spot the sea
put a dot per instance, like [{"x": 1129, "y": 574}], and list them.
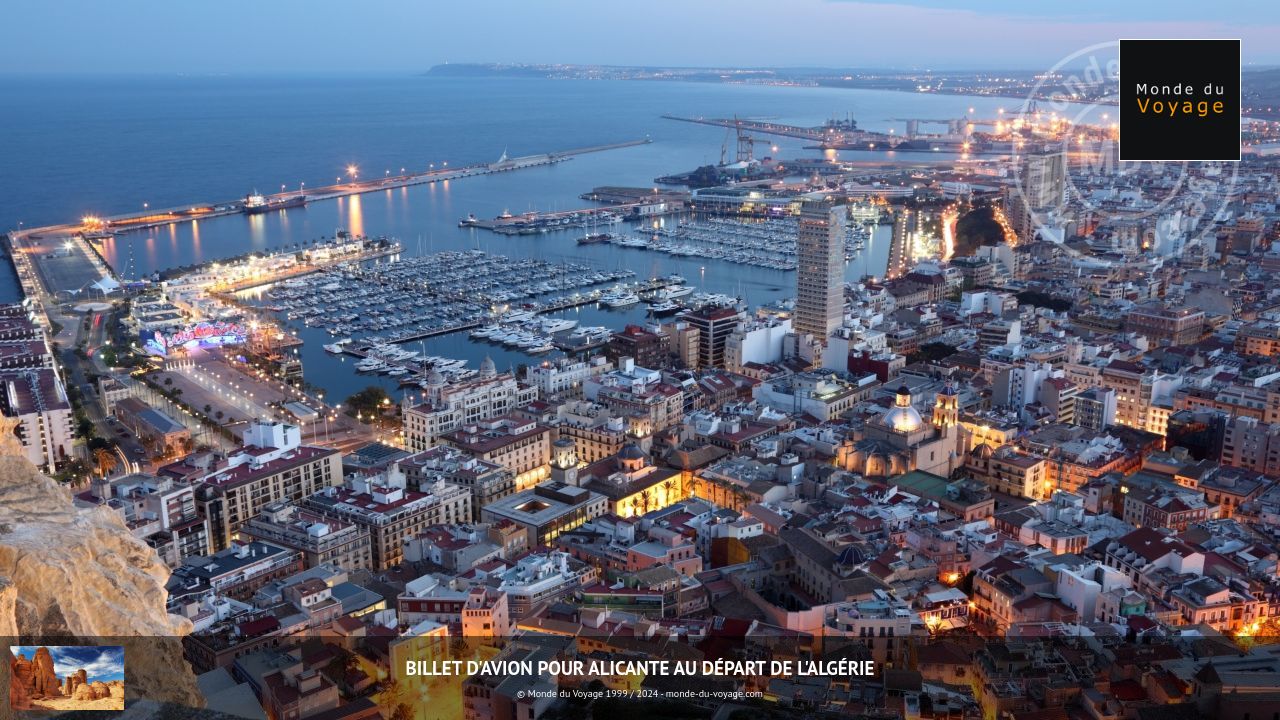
[{"x": 77, "y": 146}]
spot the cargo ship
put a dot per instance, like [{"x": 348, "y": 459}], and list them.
[
  {"x": 593, "y": 238},
  {"x": 255, "y": 203}
]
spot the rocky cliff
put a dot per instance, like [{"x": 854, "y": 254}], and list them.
[{"x": 73, "y": 575}]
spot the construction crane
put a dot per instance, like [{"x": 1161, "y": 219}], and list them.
[{"x": 746, "y": 146}]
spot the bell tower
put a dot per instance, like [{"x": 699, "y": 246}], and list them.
[
  {"x": 564, "y": 461},
  {"x": 946, "y": 411}
]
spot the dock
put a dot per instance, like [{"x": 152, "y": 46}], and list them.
[
  {"x": 823, "y": 137},
  {"x": 30, "y": 245},
  {"x": 154, "y": 218},
  {"x": 310, "y": 268}
]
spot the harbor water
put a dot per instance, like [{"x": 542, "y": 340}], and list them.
[{"x": 106, "y": 146}]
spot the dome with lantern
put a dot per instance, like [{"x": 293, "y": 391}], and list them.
[{"x": 902, "y": 417}]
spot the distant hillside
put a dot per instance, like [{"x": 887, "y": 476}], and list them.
[{"x": 488, "y": 70}]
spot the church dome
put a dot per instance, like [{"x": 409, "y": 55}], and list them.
[
  {"x": 903, "y": 419},
  {"x": 487, "y": 368},
  {"x": 435, "y": 377},
  {"x": 631, "y": 451},
  {"x": 851, "y": 555}
]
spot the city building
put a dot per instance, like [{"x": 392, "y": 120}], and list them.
[
  {"x": 389, "y": 512},
  {"x": 1039, "y": 193},
  {"x": 564, "y": 377},
  {"x": 1095, "y": 408},
  {"x": 320, "y": 538},
  {"x": 547, "y": 510},
  {"x": 36, "y": 398},
  {"x": 1160, "y": 324},
  {"x": 157, "y": 431},
  {"x": 157, "y": 510},
  {"x": 900, "y": 440},
  {"x": 445, "y": 407},
  {"x": 819, "y": 271},
  {"x": 639, "y": 394},
  {"x": 714, "y": 325},
  {"x": 487, "y": 481},
  {"x": 648, "y": 346},
  {"x": 520, "y": 445},
  {"x": 271, "y": 465}
]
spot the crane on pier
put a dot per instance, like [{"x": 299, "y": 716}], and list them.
[{"x": 746, "y": 144}]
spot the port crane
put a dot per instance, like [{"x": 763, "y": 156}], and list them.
[{"x": 746, "y": 144}]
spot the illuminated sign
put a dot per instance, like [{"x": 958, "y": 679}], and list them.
[{"x": 203, "y": 334}]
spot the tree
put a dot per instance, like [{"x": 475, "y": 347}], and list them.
[
  {"x": 168, "y": 381},
  {"x": 931, "y": 352},
  {"x": 105, "y": 460},
  {"x": 368, "y": 401},
  {"x": 402, "y": 712},
  {"x": 74, "y": 471},
  {"x": 208, "y": 408},
  {"x": 670, "y": 487},
  {"x": 218, "y": 415}
]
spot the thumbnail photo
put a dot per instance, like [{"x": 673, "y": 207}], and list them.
[{"x": 65, "y": 678}]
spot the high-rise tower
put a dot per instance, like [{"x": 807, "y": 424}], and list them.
[{"x": 820, "y": 274}]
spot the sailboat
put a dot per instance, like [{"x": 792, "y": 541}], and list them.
[{"x": 592, "y": 237}]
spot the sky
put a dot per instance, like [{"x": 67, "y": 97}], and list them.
[
  {"x": 101, "y": 664},
  {"x": 410, "y": 36}
]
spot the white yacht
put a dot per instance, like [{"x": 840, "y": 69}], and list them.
[
  {"x": 671, "y": 292},
  {"x": 555, "y": 325},
  {"x": 620, "y": 299}
]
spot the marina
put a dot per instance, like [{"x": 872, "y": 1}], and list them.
[
  {"x": 768, "y": 243},
  {"x": 423, "y": 296},
  {"x": 503, "y": 300}
]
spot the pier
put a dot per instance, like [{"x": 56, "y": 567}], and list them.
[
  {"x": 296, "y": 271},
  {"x": 534, "y": 223},
  {"x": 153, "y": 218},
  {"x": 837, "y": 136},
  {"x": 32, "y": 248}
]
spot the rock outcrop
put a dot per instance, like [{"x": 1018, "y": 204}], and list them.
[
  {"x": 77, "y": 576},
  {"x": 19, "y": 680},
  {"x": 74, "y": 680},
  {"x": 44, "y": 680}
]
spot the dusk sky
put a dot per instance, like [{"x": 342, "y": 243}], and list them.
[{"x": 380, "y": 36}]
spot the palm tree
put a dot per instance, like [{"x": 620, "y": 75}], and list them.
[{"x": 105, "y": 460}]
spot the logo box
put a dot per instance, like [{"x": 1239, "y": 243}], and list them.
[{"x": 1179, "y": 100}]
